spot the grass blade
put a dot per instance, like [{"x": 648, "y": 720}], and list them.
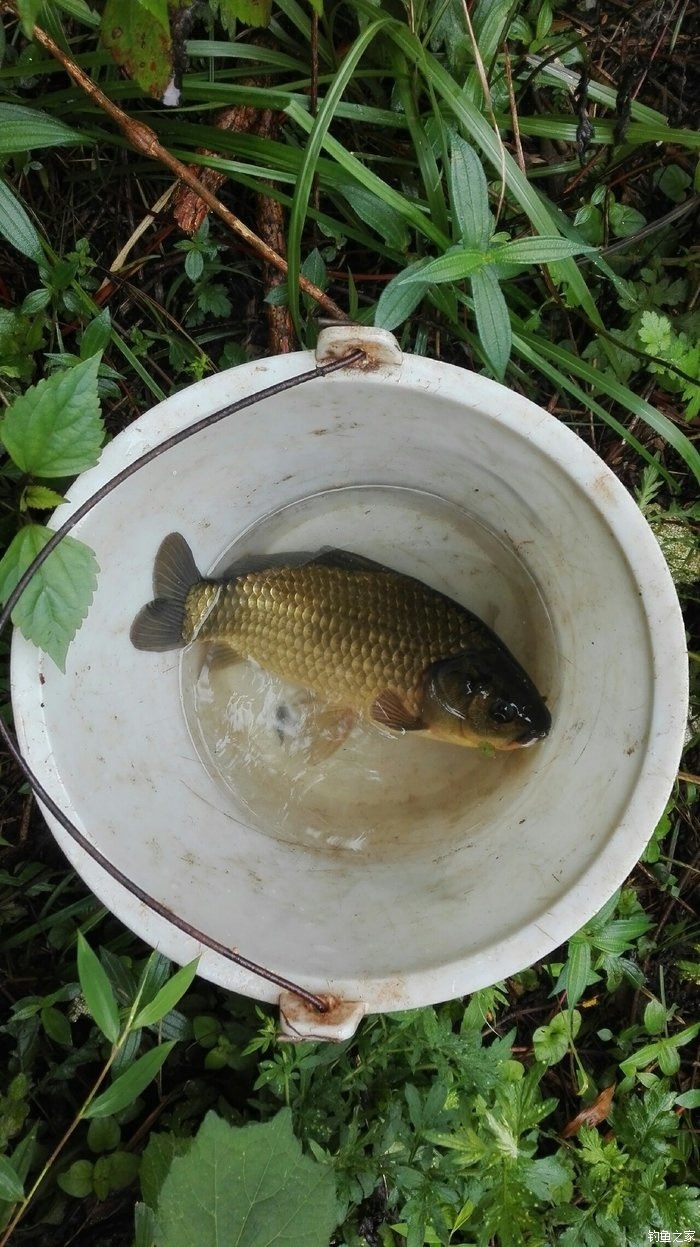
[
  {"x": 326, "y": 112},
  {"x": 97, "y": 990}
]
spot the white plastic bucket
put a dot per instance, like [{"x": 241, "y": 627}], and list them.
[{"x": 536, "y": 853}]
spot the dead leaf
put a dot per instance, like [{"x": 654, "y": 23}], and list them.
[{"x": 592, "y": 1115}]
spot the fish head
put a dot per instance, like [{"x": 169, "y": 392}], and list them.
[{"x": 483, "y": 699}]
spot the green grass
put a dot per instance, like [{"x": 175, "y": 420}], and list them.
[{"x": 458, "y": 1124}]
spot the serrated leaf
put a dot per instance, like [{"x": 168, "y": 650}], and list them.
[
  {"x": 140, "y": 43},
  {"x": 454, "y": 266},
  {"x": 469, "y": 195},
  {"x": 57, "y": 598},
  {"x": 23, "y": 129},
  {"x": 131, "y": 1083},
  {"x": 97, "y": 990},
  {"x": 168, "y": 996},
  {"x": 55, "y": 428},
  {"x": 157, "y": 1158},
  {"x": 250, "y": 12},
  {"x": 379, "y": 215},
  {"x": 400, "y": 297},
  {"x": 41, "y": 498},
  {"x": 11, "y": 1188},
  {"x": 492, "y": 319},
  {"x": 537, "y": 250},
  {"x": 16, "y": 226},
  {"x": 250, "y": 1185}
]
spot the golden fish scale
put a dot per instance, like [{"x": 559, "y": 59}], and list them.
[{"x": 348, "y": 635}]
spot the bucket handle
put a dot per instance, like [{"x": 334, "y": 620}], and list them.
[{"x": 316, "y": 1006}]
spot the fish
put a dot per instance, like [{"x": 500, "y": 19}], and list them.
[{"x": 367, "y": 642}]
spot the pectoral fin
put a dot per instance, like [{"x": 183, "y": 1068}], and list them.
[
  {"x": 389, "y": 711},
  {"x": 313, "y": 729},
  {"x": 328, "y": 728},
  {"x": 221, "y": 655}
]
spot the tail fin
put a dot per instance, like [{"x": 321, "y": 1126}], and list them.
[{"x": 160, "y": 624}]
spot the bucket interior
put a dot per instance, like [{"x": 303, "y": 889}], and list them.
[{"x": 464, "y": 873}]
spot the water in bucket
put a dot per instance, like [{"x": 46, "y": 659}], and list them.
[{"x": 379, "y": 791}]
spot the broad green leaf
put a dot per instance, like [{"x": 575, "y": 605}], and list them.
[
  {"x": 57, "y": 1026},
  {"x": 131, "y": 1083},
  {"x": 157, "y": 1158},
  {"x": 35, "y": 301},
  {"x": 251, "y": 1186},
  {"x": 689, "y": 1099},
  {"x": 480, "y": 132},
  {"x": 57, "y": 598},
  {"x": 578, "y": 969},
  {"x": 77, "y": 1180},
  {"x": 96, "y": 335},
  {"x": 104, "y": 1134},
  {"x": 97, "y": 990},
  {"x": 540, "y": 250},
  {"x": 469, "y": 195},
  {"x": 54, "y": 428},
  {"x": 16, "y": 227},
  {"x": 158, "y": 9},
  {"x": 11, "y": 1188},
  {"x": 399, "y": 298},
  {"x": 378, "y": 215},
  {"x": 140, "y": 43},
  {"x": 492, "y": 319},
  {"x": 625, "y": 220},
  {"x": 23, "y": 1155},
  {"x": 168, "y": 996},
  {"x": 23, "y": 129},
  {"x": 144, "y": 1225},
  {"x": 194, "y": 265},
  {"x": 551, "y": 1042},
  {"x": 651, "y": 1052},
  {"x": 454, "y": 266},
  {"x": 669, "y": 1058}
]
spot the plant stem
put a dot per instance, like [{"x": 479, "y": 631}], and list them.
[
  {"x": 23, "y": 1206},
  {"x": 143, "y": 139}
]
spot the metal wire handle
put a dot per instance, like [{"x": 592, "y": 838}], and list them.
[{"x": 321, "y": 370}]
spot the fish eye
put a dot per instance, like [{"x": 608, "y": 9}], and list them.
[{"x": 503, "y": 711}]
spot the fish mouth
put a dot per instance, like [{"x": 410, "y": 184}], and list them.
[{"x": 529, "y": 737}]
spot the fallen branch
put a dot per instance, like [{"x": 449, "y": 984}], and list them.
[{"x": 144, "y": 140}]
